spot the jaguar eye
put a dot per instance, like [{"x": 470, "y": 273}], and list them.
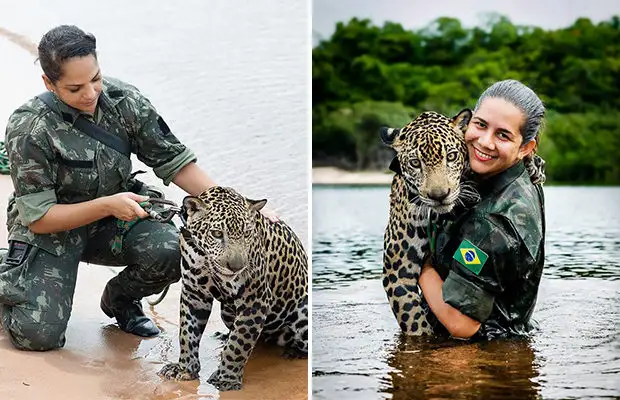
[
  {"x": 415, "y": 163},
  {"x": 248, "y": 230},
  {"x": 217, "y": 233},
  {"x": 452, "y": 156}
]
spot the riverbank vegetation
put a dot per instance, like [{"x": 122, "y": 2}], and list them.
[{"x": 366, "y": 76}]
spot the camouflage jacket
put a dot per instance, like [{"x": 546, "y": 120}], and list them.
[
  {"x": 492, "y": 256},
  {"x": 52, "y": 162}
]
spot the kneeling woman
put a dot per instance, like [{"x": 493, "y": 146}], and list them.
[{"x": 70, "y": 190}]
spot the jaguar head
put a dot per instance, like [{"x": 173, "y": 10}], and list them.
[
  {"x": 431, "y": 156},
  {"x": 221, "y": 230}
]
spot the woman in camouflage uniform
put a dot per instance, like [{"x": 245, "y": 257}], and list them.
[
  {"x": 485, "y": 271},
  {"x": 71, "y": 189}
]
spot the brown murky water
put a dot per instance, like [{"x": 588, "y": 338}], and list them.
[
  {"x": 231, "y": 82},
  {"x": 358, "y": 352}
]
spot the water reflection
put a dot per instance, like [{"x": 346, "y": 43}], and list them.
[{"x": 423, "y": 369}]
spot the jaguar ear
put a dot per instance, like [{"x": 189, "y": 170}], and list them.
[
  {"x": 388, "y": 134},
  {"x": 395, "y": 166},
  {"x": 256, "y": 205},
  {"x": 461, "y": 120},
  {"x": 193, "y": 204}
]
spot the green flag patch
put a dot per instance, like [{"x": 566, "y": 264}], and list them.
[{"x": 470, "y": 256}]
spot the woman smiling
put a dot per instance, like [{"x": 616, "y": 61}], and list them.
[{"x": 483, "y": 280}]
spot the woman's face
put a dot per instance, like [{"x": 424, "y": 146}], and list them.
[
  {"x": 494, "y": 139},
  {"x": 80, "y": 83}
]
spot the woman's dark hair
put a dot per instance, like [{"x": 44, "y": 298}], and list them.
[{"x": 62, "y": 43}]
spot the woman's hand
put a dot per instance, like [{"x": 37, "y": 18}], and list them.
[
  {"x": 269, "y": 214},
  {"x": 125, "y": 206},
  {"x": 64, "y": 217}
]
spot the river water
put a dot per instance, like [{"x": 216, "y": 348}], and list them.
[
  {"x": 358, "y": 352},
  {"x": 231, "y": 81}
]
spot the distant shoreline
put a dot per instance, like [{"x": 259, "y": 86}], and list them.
[{"x": 331, "y": 176}]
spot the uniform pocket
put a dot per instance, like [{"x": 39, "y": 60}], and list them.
[
  {"x": 114, "y": 171},
  {"x": 13, "y": 270},
  {"x": 77, "y": 176}
]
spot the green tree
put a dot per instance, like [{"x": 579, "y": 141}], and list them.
[
  {"x": 365, "y": 75},
  {"x": 360, "y": 124}
]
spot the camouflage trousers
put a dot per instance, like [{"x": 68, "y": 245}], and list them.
[{"x": 37, "y": 294}]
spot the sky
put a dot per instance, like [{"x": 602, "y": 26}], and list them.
[{"x": 415, "y": 14}]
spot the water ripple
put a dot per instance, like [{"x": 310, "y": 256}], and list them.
[{"x": 352, "y": 251}]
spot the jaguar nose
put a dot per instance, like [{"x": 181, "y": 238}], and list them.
[
  {"x": 235, "y": 263},
  {"x": 439, "y": 194}
]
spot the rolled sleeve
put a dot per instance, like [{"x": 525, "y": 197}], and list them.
[
  {"x": 467, "y": 297},
  {"x": 471, "y": 290},
  {"x": 33, "y": 206},
  {"x": 166, "y": 172}
]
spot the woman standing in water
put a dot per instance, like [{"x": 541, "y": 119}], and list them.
[{"x": 483, "y": 280}]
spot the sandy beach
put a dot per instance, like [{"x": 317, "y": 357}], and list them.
[{"x": 334, "y": 176}]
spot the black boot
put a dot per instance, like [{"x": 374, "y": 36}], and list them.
[{"x": 128, "y": 313}]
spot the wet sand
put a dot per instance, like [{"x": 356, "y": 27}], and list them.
[
  {"x": 99, "y": 361},
  {"x": 20, "y": 40},
  {"x": 333, "y": 176}
]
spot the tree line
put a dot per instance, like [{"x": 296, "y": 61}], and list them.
[{"x": 365, "y": 76}]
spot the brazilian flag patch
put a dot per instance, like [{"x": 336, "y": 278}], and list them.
[{"x": 470, "y": 256}]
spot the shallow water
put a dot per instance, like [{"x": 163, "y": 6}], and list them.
[{"x": 358, "y": 352}]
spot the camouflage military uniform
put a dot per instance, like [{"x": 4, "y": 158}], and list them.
[
  {"x": 491, "y": 257},
  {"x": 54, "y": 163}
]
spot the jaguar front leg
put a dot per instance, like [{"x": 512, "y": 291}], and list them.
[
  {"x": 402, "y": 264},
  {"x": 195, "y": 312},
  {"x": 246, "y": 329}
]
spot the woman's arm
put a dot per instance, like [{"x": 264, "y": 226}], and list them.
[
  {"x": 156, "y": 143},
  {"x": 458, "y": 324},
  {"x": 194, "y": 181},
  {"x": 64, "y": 217}
]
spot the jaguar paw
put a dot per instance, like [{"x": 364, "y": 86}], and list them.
[
  {"x": 224, "y": 382},
  {"x": 175, "y": 371}
]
